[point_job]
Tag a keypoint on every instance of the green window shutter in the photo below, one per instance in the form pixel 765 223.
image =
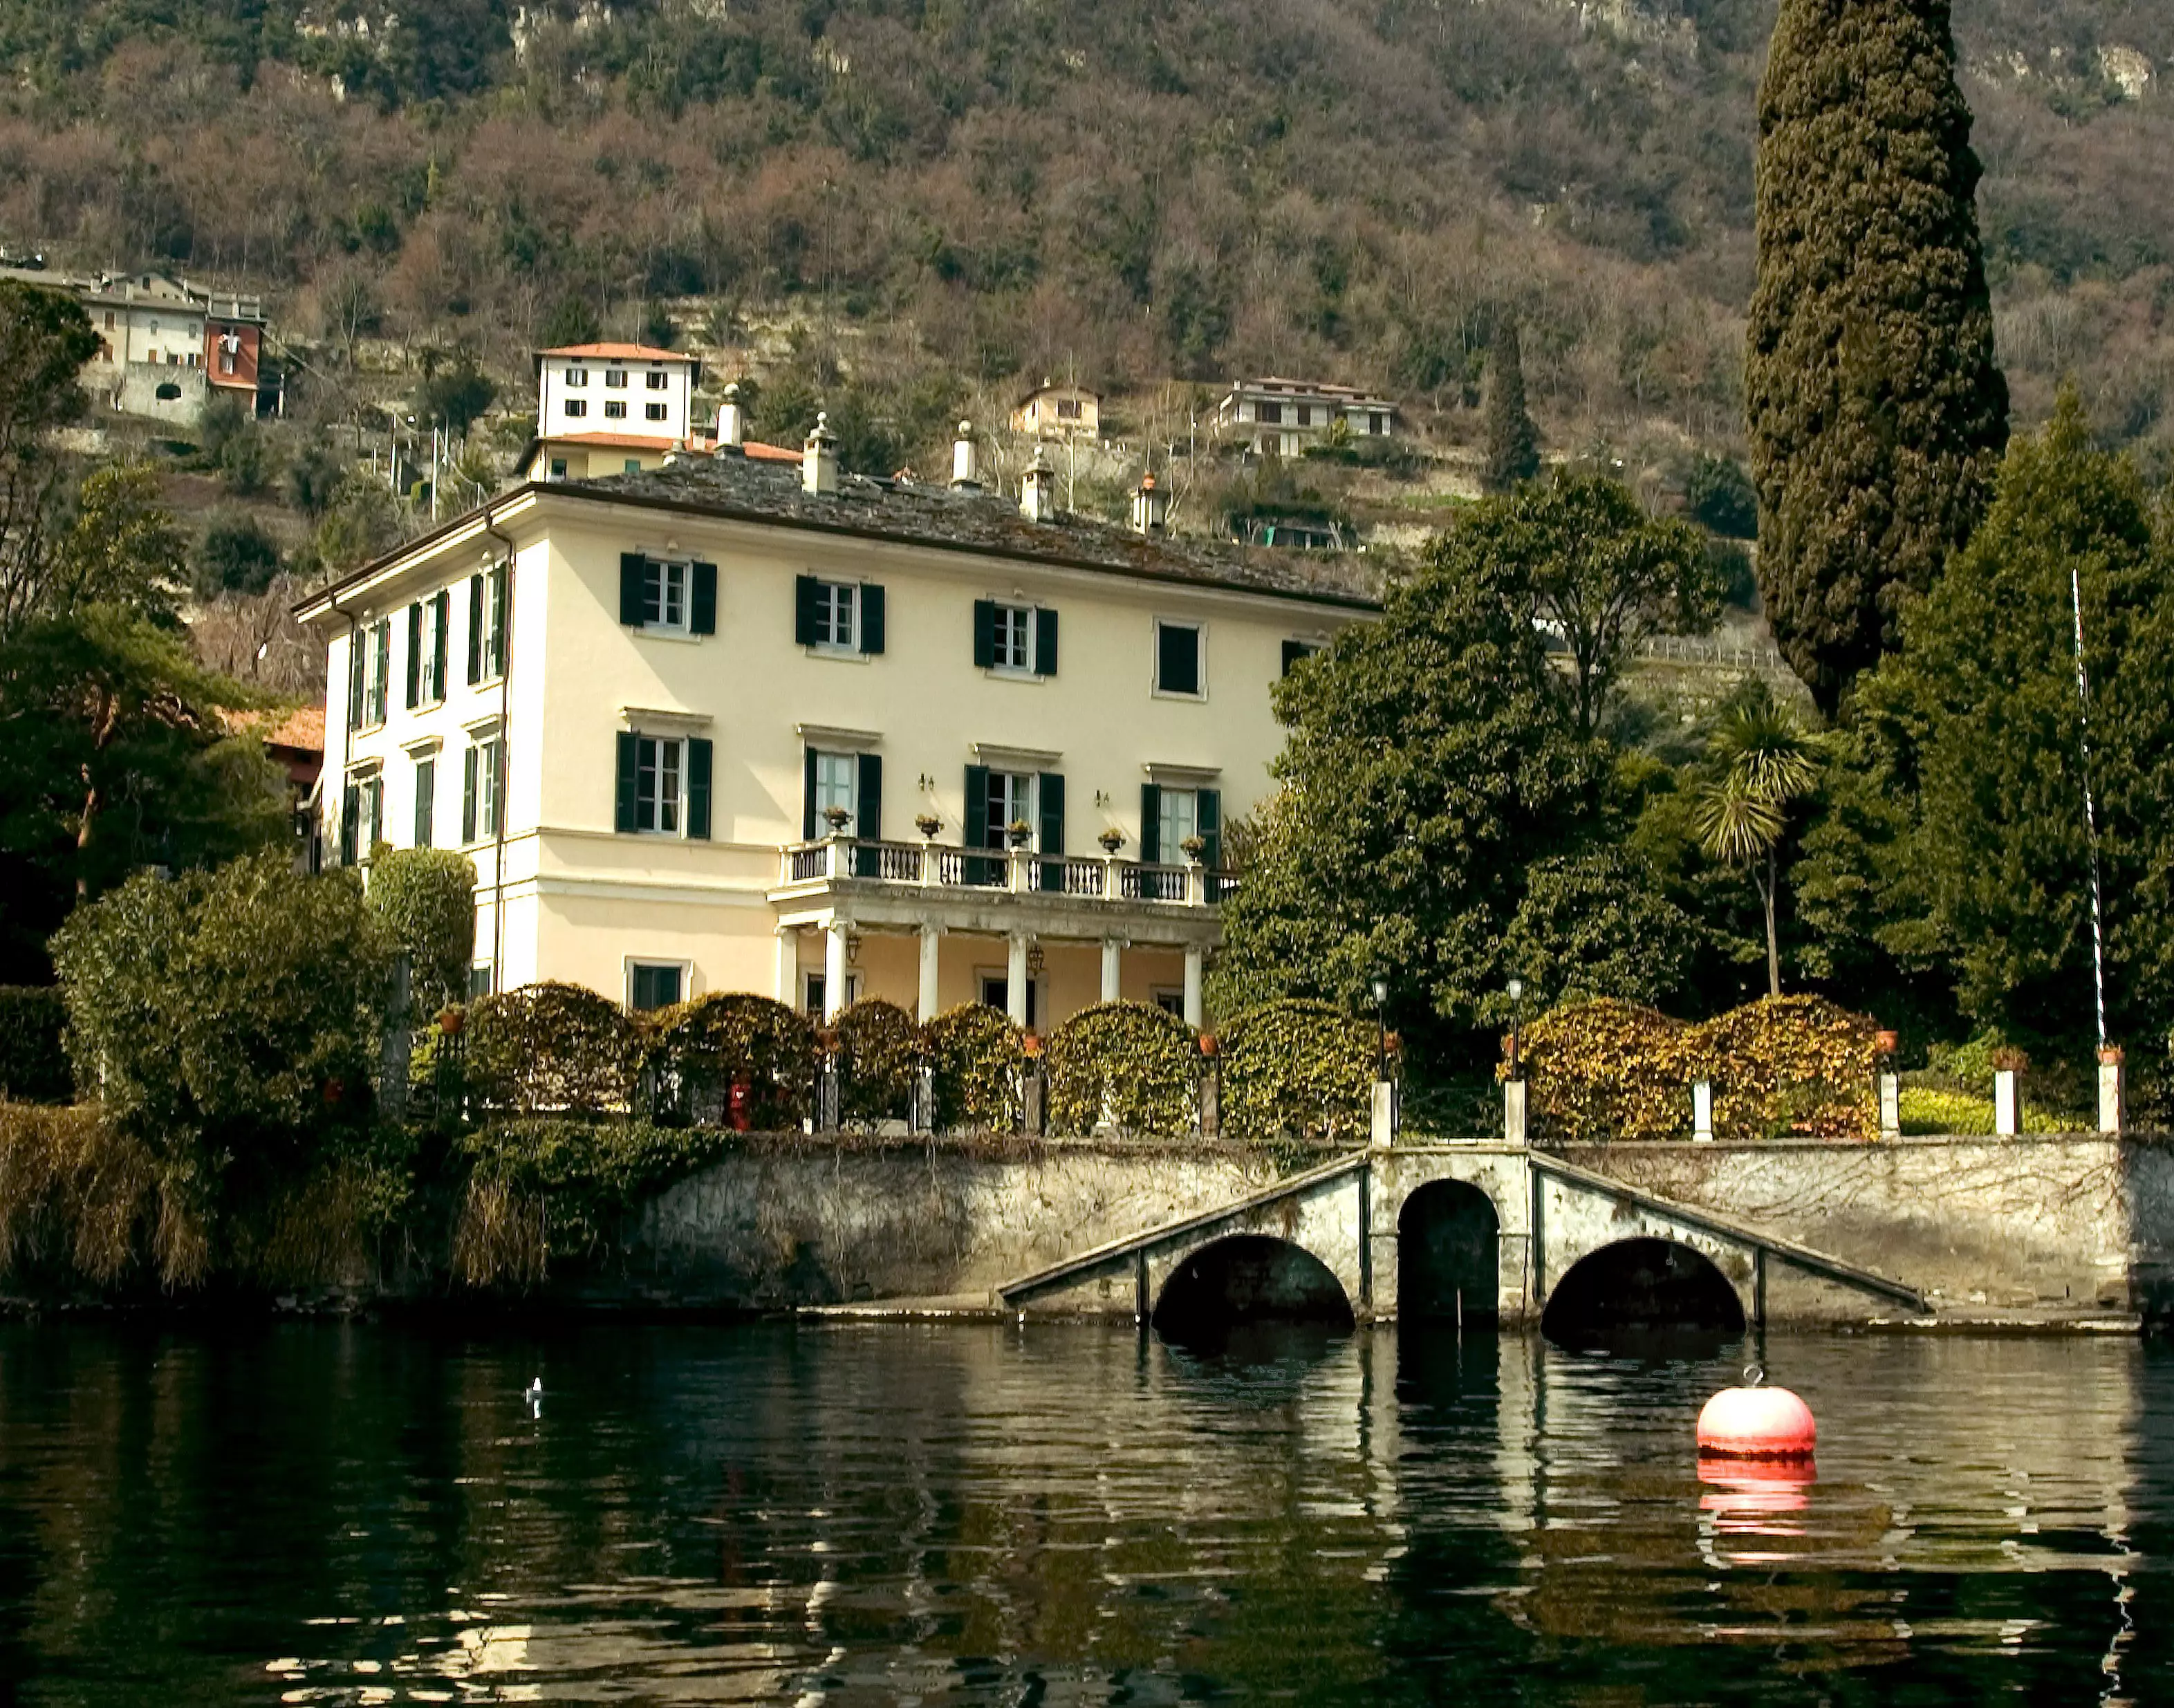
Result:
pixel 444 602
pixel 475 630
pixel 355 642
pixel 1045 642
pixel 426 801
pixel 806 592
pixel 1210 809
pixel 623 818
pixel 698 788
pixel 1051 789
pixel 867 812
pixel 1150 824
pixel 350 818
pixel 501 589
pixel 703 618
pixel 633 570
pixel 872 618
pixel 977 824
pixel 381 675
pixel 469 768
pixel 807 795
pixel 985 634
pixel 414 655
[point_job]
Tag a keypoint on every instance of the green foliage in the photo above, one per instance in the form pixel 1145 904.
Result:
pixel 1511 439
pixel 1433 757
pixel 314 476
pixel 1597 925
pixel 658 328
pixel 236 555
pixel 1297 1074
pixel 550 1049
pixel 878 1047
pixel 1763 764
pixel 456 394
pixel 361 523
pixel 976 1053
pixel 230 441
pixel 227 1017
pixel 573 321
pixel 1606 1070
pixel 693 1055
pixel 424 898
pixel 1721 498
pixel 34 1064
pixel 1130 1065
pixel 123 547
pixel 46 337
pixel 1875 411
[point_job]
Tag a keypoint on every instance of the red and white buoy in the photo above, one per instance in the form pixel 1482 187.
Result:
pixel 1757 1422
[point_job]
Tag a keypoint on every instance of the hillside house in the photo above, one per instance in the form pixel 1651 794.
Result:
pixel 1282 417
pixel 609 409
pixel 1052 410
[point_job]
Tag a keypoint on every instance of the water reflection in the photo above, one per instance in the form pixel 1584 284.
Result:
pixel 984 1514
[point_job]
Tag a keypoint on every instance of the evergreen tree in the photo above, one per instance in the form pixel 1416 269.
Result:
pixel 1875 413
pixel 1512 441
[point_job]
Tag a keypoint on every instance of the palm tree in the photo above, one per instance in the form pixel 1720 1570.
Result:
pixel 1767 762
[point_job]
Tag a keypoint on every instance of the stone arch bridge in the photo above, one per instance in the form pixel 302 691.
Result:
pixel 1465 1232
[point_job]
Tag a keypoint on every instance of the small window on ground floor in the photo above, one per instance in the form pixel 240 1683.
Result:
pixel 815 986
pixel 480 981
pixel 1171 1002
pixel 996 993
pixel 655 985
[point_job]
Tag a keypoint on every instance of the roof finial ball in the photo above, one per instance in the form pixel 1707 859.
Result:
pixel 965 460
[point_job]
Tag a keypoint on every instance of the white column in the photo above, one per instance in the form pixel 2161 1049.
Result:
pixel 789 966
pixel 834 969
pixel 1195 958
pixel 932 936
pixel 1015 978
pixel 1112 986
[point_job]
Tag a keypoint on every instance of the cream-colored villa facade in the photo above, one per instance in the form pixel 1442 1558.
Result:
pixel 735 724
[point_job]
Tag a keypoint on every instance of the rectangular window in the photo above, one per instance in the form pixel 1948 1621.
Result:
pixel 634 465
pixel 658 379
pixel 837 780
pixel 664 595
pixel 1306 414
pixel 577 408
pixel 1377 423
pixel 426 801
pixel 1011 802
pixel 1068 408
pixel 1269 411
pixel 1178 658
pixel 653 985
pixel 1014 648
pixel 654 412
pixel 578 377
pixel 429 639
pixel 615 408
pixel 480 983
pixel 482 784
pixel 1179 818
pixel 615 379
pixel 366 794
pixel 814 986
pixel 377 683
pixel 487 609
pixel 836 611
pixel 1295 650
pixel 996 993
pixel 558 469
pixel 659 783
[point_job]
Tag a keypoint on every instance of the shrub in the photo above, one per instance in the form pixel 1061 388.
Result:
pixel 879 1046
pixel 976 1053
pixel 1790 1065
pixel 34 1064
pixel 425 898
pixel 1131 1065
pixel 1602 1070
pixel 540 1190
pixel 1298 1073
pixel 78 1194
pixel 693 1055
pixel 550 1048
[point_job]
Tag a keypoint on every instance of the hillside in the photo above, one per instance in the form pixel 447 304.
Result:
pixel 954 193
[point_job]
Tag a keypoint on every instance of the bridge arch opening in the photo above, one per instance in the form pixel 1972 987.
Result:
pixel 1640 1285
pixel 1447 1266
pixel 1246 1279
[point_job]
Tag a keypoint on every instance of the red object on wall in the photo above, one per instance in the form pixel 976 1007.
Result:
pixel 736 1109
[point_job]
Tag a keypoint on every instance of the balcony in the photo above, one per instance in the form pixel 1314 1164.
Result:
pixel 923 866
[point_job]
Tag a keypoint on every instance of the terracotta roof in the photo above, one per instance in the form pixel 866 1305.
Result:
pixel 302 729
pixel 618 352
pixel 698 445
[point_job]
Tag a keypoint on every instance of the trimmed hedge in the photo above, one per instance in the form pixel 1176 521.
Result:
pixel 34 1064
pixel 693 1055
pixel 425 898
pixel 1297 1073
pixel 1606 1069
pixel 879 1046
pixel 976 1053
pixel 1129 1065
pixel 548 1049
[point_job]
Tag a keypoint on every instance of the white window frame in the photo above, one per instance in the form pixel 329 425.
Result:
pixel 1029 785
pixel 986 976
pixel 666 757
pixel 813 983
pixel 614 409
pixel 615 379
pixel 429 680
pixel 368 812
pixel 838 607
pixel 659 576
pixel 1154 660
pixel 576 378
pixel 491 776
pixel 483 977
pixel 659 381
pixel 1014 621
pixel 377 673
pixel 828 791
pixel 655 412
pixel 576 408
pixel 423 780
pixel 1185 824
pixel 647 963
pixel 494 666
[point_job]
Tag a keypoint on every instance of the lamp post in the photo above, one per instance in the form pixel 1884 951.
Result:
pixel 1517 1021
pixel 1379 985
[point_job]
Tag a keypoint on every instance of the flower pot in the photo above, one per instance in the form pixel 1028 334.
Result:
pixel 2111 1057
pixel 1020 835
pixel 1208 1043
pixel 928 824
pixel 837 818
pixel 1111 840
pixel 1887 1043
pixel 1194 847
pixel 1032 1043
pixel 450 1022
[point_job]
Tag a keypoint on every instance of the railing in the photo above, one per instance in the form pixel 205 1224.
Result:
pixel 927 864
pixel 1683 650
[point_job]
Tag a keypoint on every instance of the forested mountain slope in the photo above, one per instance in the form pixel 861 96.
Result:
pixel 1191 187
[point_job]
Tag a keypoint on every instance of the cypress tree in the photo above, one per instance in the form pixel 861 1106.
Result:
pixel 1876 415
pixel 1512 441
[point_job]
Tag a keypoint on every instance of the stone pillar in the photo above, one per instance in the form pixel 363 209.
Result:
pixel 1384 1132
pixel 1112 985
pixel 1211 1098
pixel 924 1098
pixel 2113 1091
pixel 834 969
pixel 826 1094
pixel 789 966
pixel 1702 1111
pixel 1196 960
pixel 1015 978
pixel 397 1046
pixel 1031 1098
pixel 1513 1112
pixel 1890 1105
pixel 931 937
pixel 2006 1102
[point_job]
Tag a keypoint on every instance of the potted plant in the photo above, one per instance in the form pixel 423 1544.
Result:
pixel 1208 1043
pixel 1030 1042
pixel 1887 1043
pixel 2110 1055
pixel 1020 832
pixel 837 818
pixel 928 824
pixel 1194 847
pixel 451 1021
pixel 1111 839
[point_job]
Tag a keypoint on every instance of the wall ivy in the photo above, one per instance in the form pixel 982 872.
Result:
pixel 693 1055
pixel 550 1048
pixel 976 1053
pixel 1298 1073
pixel 879 1046
pixel 1131 1065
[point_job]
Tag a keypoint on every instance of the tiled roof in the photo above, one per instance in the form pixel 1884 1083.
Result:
pixel 618 352
pixel 302 729
pixel 757 488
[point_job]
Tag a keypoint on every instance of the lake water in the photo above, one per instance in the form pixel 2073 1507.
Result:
pixel 850 1513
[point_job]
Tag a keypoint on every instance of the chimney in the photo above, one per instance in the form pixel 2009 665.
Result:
pixel 965 460
pixel 1150 506
pixel 1038 489
pixel 818 459
pixel 732 427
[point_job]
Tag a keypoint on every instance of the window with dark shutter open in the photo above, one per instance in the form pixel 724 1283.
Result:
pixel 985 634
pixel 872 618
pixel 698 788
pixel 1044 641
pixel 1049 791
pixel 807 594
pixel 414 655
pixel 475 630
pixel 703 619
pixel 633 570
pixel 1150 824
pixel 868 813
pixel 622 796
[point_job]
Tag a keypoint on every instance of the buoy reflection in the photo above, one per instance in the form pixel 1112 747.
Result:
pixel 1753 1503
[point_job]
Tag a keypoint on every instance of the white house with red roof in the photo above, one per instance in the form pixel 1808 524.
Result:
pixel 610 409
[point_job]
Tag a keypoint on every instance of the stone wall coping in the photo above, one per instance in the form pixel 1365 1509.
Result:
pixel 1912 1141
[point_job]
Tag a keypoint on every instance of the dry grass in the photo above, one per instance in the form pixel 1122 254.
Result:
pixel 504 1235
pixel 76 1191
pixel 318 1234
